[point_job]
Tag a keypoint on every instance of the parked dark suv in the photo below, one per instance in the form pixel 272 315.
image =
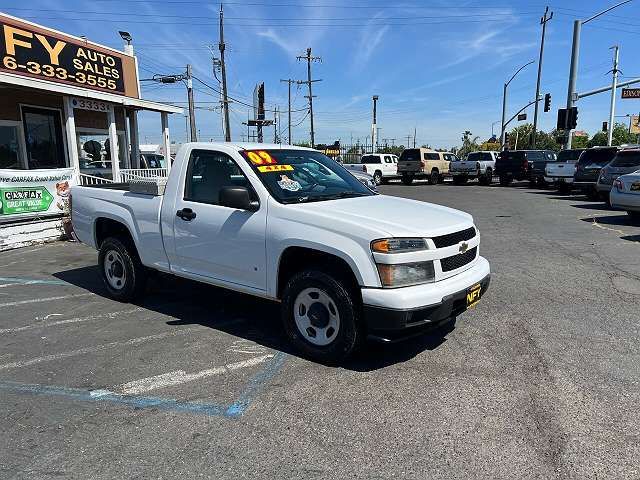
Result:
pixel 523 165
pixel 588 169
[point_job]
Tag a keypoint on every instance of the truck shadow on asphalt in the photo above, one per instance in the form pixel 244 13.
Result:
pixel 244 316
pixel 620 219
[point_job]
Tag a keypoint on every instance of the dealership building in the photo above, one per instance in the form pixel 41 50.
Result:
pixel 68 115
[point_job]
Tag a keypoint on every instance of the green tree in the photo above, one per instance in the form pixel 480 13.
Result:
pixel 621 136
pixel 469 144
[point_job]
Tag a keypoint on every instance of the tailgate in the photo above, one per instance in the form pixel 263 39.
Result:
pixel 561 169
pixel 409 166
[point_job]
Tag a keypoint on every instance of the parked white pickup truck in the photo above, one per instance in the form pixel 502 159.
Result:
pixel 480 165
pixel 291 225
pixel 382 166
pixel 561 172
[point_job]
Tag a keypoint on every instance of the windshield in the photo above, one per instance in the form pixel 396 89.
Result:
pixel 569 156
pixel 479 157
pixel 297 176
pixel 597 156
pixel 626 160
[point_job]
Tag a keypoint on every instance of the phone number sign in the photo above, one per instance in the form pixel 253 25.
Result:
pixel 34 52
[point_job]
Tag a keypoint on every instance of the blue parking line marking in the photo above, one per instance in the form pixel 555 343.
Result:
pixel 32 281
pixel 255 385
pixel 235 410
pixel 209 409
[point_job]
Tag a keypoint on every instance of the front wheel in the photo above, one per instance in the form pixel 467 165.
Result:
pixel 505 180
pixel 407 179
pixel 320 317
pixel 122 273
pixel 377 177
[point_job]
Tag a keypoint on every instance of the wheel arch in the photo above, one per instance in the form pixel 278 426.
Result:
pixel 105 227
pixel 296 258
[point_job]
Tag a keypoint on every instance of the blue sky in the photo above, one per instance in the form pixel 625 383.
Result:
pixel 437 66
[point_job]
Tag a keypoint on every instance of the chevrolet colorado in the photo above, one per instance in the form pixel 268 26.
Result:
pixel 291 225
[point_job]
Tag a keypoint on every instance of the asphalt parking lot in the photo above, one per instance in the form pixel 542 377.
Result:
pixel 540 380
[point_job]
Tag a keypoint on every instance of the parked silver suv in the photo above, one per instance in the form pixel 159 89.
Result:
pixel 625 161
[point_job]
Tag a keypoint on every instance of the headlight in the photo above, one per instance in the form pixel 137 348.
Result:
pixel 398 245
pixel 405 274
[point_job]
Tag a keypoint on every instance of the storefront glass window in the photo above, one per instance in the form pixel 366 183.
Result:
pixel 9 147
pixel 94 151
pixel 43 136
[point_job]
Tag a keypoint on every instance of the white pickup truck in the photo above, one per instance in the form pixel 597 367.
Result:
pixel 291 225
pixel 381 166
pixel 561 172
pixel 480 165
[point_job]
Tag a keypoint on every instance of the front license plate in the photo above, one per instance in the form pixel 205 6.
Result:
pixel 473 295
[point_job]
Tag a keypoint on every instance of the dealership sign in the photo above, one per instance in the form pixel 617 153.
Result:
pixel 631 93
pixel 29 193
pixel 33 51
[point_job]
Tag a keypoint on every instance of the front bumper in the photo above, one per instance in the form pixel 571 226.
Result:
pixel 420 306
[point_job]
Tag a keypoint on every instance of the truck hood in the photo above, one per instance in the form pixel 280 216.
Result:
pixel 383 215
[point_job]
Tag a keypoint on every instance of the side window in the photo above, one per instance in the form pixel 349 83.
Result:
pixel 432 156
pixel 207 173
pixel 387 159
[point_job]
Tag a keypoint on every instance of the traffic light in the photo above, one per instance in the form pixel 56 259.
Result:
pixel 604 126
pixel 561 124
pixel 506 141
pixel 547 102
pixel 572 118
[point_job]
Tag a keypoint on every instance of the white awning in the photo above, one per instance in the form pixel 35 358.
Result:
pixel 19 81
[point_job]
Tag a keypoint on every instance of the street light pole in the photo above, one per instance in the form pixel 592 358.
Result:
pixel 504 101
pixel 573 69
pixel 543 21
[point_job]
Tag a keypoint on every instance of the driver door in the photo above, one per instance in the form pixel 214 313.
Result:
pixel 213 241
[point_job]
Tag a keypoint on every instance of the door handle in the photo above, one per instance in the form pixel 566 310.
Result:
pixel 186 214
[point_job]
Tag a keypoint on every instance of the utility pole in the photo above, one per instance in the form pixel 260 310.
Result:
pixel 310 59
pixel 289 82
pixel 192 113
pixel 614 86
pixel 225 98
pixel 374 126
pixel 275 125
pixel 543 22
pixel 414 137
pixel 409 141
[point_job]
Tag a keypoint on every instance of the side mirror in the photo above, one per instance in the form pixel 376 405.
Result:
pixel 237 197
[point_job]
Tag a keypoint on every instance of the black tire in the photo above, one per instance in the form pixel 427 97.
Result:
pixel 487 178
pixel 532 183
pixel 505 180
pixel 564 188
pixel 434 177
pixel 635 216
pixel 349 333
pixel 592 194
pixel 377 177
pixel 125 265
pixel 407 179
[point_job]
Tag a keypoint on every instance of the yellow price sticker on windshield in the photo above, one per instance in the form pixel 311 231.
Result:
pixel 275 168
pixel 261 158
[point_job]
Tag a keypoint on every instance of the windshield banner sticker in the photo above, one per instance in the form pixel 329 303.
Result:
pixel 274 168
pixel 261 158
pixel 287 184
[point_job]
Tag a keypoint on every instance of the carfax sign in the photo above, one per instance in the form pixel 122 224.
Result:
pixel 35 193
pixel 32 51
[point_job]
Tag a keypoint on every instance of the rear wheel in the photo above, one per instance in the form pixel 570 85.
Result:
pixel 321 317
pixel 592 194
pixel 407 179
pixel 377 177
pixel 434 177
pixel 487 178
pixel 123 274
pixel 564 188
pixel 505 180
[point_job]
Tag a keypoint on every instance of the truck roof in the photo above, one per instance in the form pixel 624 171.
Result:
pixel 247 146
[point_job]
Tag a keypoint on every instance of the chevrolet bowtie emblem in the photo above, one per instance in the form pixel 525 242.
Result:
pixel 464 246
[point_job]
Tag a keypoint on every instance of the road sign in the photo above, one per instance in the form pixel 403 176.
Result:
pixel 631 93
pixel 522 116
pixel 634 126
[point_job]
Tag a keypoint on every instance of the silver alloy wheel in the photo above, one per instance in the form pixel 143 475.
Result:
pixel 316 316
pixel 114 269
